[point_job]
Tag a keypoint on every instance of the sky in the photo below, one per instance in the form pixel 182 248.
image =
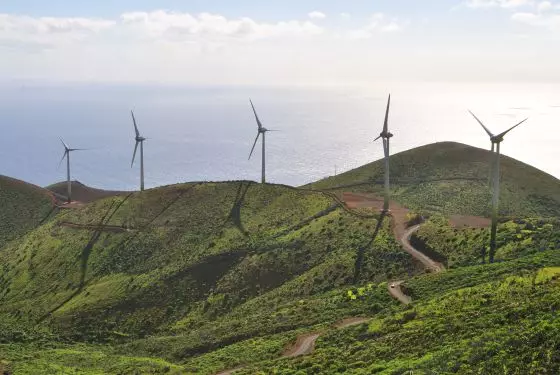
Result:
pixel 288 42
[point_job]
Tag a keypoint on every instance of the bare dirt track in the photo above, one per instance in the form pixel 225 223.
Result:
pixel 396 291
pixel 101 228
pixel 463 221
pixel 305 344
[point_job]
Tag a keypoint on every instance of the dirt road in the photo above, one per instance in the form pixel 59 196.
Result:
pixel 397 293
pixel 427 262
pixel 305 344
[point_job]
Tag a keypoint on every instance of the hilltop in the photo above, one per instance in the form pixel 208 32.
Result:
pixel 453 178
pixel 23 206
pixel 81 192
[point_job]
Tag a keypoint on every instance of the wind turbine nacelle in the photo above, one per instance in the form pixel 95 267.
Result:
pixel 140 139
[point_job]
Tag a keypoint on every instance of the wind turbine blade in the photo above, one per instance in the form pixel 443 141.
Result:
pixel 480 122
pixel 63 156
pixel 134 122
pixel 259 124
pixel 376 138
pixel 510 129
pixel 254 144
pixel 386 124
pixel 134 154
pixel 65 145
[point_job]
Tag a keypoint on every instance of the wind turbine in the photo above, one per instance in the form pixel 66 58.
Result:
pixel 495 140
pixel 260 130
pixel 139 140
pixel 67 151
pixel 385 135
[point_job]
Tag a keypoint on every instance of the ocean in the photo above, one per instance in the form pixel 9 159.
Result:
pixel 198 133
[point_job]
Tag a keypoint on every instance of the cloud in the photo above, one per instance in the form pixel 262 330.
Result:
pixel 378 23
pixel 165 26
pixel 49 30
pixel 498 3
pixel 184 26
pixel 345 15
pixel 545 15
pixel 548 21
pixel 317 15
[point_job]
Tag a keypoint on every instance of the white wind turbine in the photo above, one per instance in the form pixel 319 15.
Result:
pixel 386 135
pixel 261 130
pixel 495 140
pixel 67 151
pixel 139 140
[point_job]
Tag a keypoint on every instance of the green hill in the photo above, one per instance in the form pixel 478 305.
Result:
pixel 200 277
pixel 22 207
pixel 81 192
pixel 174 257
pixel 453 178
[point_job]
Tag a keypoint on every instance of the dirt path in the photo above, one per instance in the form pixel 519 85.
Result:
pixel 305 344
pixel 396 291
pixel 427 262
pixel 101 228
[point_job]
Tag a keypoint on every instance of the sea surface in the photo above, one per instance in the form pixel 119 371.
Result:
pixel 205 133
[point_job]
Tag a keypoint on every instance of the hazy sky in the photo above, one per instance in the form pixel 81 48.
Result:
pixel 280 42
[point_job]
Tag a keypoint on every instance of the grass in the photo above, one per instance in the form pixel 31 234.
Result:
pixel 505 324
pixel 23 207
pixel 463 247
pixel 201 277
pixel 452 178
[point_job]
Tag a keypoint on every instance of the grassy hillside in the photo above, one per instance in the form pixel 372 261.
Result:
pixel 81 192
pixel 200 277
pixel 22 207
pixel 451 178
pixel 501 321
pixel 184 256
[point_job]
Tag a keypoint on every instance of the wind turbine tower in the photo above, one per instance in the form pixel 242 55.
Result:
pixel 67 151
pixel 385 136
pixel 495 140
pixel 261 130
pixel 139 140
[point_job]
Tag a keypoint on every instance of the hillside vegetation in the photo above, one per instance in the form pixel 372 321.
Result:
pixel 81 192
pixel 453 178
pixel 198 278
pixel 22 207
pixel 178 257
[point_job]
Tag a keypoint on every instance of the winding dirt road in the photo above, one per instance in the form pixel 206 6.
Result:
pixel 427 262
pixel 396 291
pixel 306 343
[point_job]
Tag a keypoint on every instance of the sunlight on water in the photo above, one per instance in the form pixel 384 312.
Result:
pixel 206 133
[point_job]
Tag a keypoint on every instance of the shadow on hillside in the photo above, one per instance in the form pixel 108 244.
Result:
pixel 172 202
pixel 235 212
pixel 362 250
pixel 86 252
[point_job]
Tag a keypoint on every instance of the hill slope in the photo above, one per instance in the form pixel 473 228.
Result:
pixel 200 277
pixel 453 178
pixel 175 257
pixel 81 192
pixel 22 207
